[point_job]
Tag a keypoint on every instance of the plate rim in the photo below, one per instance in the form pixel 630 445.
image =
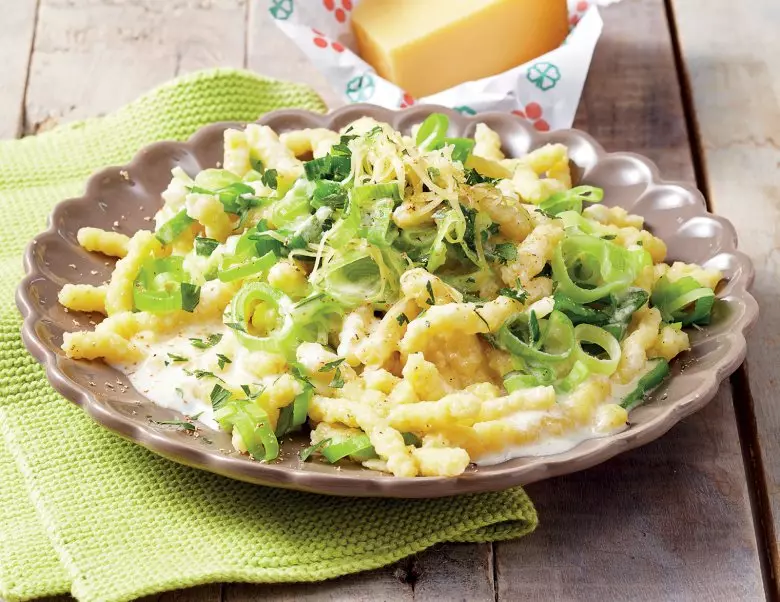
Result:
pixel 380 485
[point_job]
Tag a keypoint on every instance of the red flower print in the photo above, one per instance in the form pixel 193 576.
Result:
pixel 320 41
pixel 581 7
pixel 339 12
pixel 407 100
pixel 533 113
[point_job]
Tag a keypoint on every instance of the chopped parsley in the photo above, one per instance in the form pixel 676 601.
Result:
pixel 248 392
pixel 470 233
pixel 491 230
pixel 222 360
pixel 298 372
pixel 305 454
pixel 431 300
pixel 472 298
pixel 518 293
pixel 533 326
pixel 609 237
pixel 402 319
pixel 181 424
pixel 473 177
pixel 338 380
pixel 505 252
pixel 190 296
pixel 205 246
pixel 199 374
pixel 210 341
pixel 178 358
pixel 545 213
pixel 332 365
pixel 270 178
pixel 219 396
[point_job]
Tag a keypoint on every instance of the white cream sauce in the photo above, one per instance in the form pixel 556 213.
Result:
pixel 548 445
pixel 174 384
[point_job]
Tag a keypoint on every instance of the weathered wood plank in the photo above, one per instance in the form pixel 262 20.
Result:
pixel 17 28
pixel 270 52
pixel 670 521
pixel 93 56
pixel 456 573
pixel 452 572
pixel 730 54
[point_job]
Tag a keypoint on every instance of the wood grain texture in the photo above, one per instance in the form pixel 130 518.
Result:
pixel 735 92
pixel 270 52
pixel 631 100
pixel 452 572
pixel 93 56
pixel 456 573
pixel 671 520
pixel 17 27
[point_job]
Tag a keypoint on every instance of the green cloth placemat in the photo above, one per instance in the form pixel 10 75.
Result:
pixel 87 512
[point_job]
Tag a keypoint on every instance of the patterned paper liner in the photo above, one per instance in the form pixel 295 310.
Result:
pixel 545 90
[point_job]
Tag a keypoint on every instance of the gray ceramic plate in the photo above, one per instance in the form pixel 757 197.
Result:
pixel 129 195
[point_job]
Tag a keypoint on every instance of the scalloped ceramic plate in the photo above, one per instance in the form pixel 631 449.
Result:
pixel 130 195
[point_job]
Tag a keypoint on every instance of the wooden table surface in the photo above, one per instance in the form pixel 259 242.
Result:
pixel 694 85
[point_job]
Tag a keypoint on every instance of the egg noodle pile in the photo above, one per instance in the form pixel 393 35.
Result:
pixel 419 303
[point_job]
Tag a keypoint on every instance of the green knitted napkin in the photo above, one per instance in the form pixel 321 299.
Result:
pixel 87 512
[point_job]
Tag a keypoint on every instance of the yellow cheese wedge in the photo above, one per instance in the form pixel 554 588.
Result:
pixel 425 46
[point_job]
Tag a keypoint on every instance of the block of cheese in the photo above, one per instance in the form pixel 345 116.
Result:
pixel 425 46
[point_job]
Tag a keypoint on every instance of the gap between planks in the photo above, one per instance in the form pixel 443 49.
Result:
pixel 23 111
pixel 17 40
pixel 742 398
